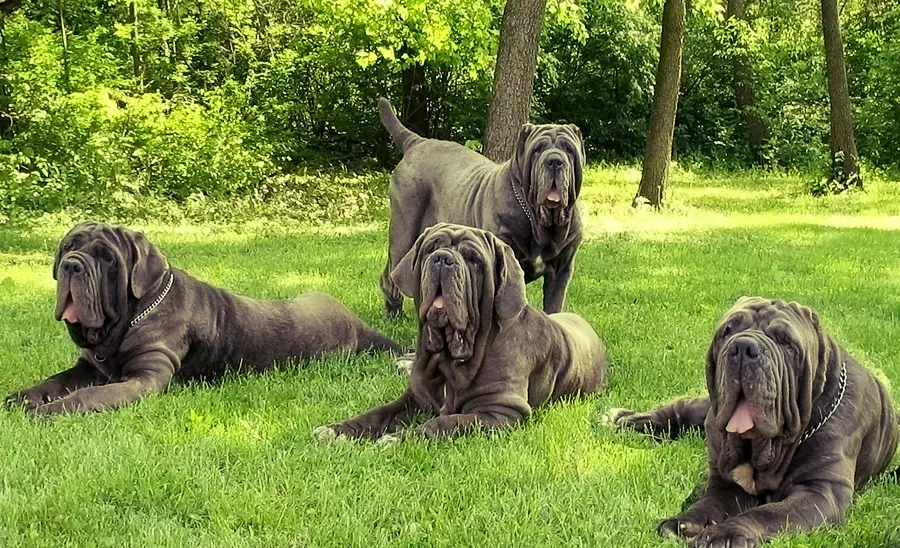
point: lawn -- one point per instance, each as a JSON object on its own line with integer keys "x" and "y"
{"x": 234, "y": 463}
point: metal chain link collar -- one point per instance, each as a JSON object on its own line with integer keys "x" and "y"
{"x": 837, "y": 403}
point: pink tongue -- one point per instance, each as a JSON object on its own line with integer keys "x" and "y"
{"x": 69, "y": 314}
{"x": 741, "y": 420}
{"x": 438, "y": 302}
{"x": 554, "y": 195}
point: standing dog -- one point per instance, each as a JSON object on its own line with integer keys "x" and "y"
{"x": 141, "y": 323}
{"x": 528, "y": 201}
{"x": 794, "y": 425}
{"x": 485, "y": 358}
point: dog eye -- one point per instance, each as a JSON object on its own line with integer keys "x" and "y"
{"x": 104, "y": 255}
{"x": 726, "y": 330}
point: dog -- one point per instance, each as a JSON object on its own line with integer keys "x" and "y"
{"x": 484, "y": 357}
{"x": 794, "y": 426}
{"x": 528, "y": 201}
{"x": 141, "y": 323}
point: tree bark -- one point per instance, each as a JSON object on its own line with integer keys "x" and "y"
{"x": 744, "y": 95}
{"x": 65, "y": 45}
{"x": 520, "y": 34}
{"x": 658, "y": 151}
{"x": 135, "y": 50}
{"x": 843, "y": 142}
{"x": 415, "y": 111}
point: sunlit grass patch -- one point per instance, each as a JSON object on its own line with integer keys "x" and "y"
{"x": 233, "y": 463}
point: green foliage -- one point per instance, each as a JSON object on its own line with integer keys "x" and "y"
{"x": 102, "y": 109}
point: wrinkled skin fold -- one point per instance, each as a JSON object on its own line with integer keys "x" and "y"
{"x": 484, "y": 358}
{"x": 773, "y": 375}
{"x": 107, "y": 275}
{"x": 441, "y": 181}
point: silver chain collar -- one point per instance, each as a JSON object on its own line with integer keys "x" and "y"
{"x": 155, "y": 303}
{"x": 521, "y": 201}
{"x": 837, "y": 403}
{"x": 101, "y": 358}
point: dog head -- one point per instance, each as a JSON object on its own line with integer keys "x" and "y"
{"x": 465, "y": 282}
{"x": 101, "y": 272}
{"x": 549, "y": 159}
{"x": 766, "y": 368}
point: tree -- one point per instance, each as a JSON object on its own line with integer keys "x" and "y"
{"x": 658, "y": 151}
{"x": 741, "y": 81}
{"x": 845, "y": 167}
{"x": 520, "y": 33}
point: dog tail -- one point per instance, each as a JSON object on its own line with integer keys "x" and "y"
{"x": 402, "y": 135}
{"x": 374, "y": 341}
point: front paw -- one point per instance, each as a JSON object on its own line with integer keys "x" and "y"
{"x": 327, "y": 434}
{"x": 31, "y": 399}
{"x": 624, "y": 419}
{"x": 730, "y": 534}
{"x": 682, "y": 527}
{"x": 404, "y": 363}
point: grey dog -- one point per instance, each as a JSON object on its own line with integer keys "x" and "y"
{"x": 141, "y": 323}
{"x": 528, "y": 201}
{"x": 794, "y": 426}
{"x": 485, "y": 357}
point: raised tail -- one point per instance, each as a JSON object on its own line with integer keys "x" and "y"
{"x": 402, "y": 135}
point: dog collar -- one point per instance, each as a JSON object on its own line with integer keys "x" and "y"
{"x": 155, "y": 303}
{"x": 101, "y": 356}
{"x": 521, "y": 201}
{"x": 836, "y": 403}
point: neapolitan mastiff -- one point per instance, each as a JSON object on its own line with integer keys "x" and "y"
{"x": 794, "y": 426}
{"x": 527, "y": 201}
{"x": 484, "y": 357}
{"x": 141, "y": 323}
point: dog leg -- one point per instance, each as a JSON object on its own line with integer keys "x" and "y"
{"x": 374, "y": 423}
{"x": 82, "y": 375}
{"x": 557, "y": 276}
{"x": 149, "y": 374}
{"x": 666, "y": 421}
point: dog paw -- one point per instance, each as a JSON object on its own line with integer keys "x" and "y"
{"x": 726, "y": 535}
{"x": 327, "y": 434}
{"x": 679, "y": 528}
{"x": 404, "y": 363}
{"x": 616, "y": 417}
{"x": 388, "y": 440}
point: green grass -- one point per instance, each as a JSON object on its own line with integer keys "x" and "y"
{"x": 233, "y": 464}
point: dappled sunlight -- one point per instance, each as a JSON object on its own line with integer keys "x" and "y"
{"x": 304, "y": 281}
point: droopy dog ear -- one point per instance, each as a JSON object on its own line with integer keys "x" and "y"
{"x": 407, "y": 275}
{"x": 509, "y": 295}
{"x": 149, "y": 264}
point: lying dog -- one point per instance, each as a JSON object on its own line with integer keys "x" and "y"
{"x": 485, "y": 358}
{"x": 528, "y": 202}
{"x": 141, "y": 323}
{"x": 794, "y": 425}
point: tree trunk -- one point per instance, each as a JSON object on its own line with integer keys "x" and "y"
{"x": 520, "y": 34}
{"x": 65, "y": 44}
{"x": 135, "y": 50}
{"x": 741, "y": 82}
{"x": 845, "y": 171}
{"x": 6, "y": 120}
{"x": 658, "y": 151}
{"x": 414, "y": 108}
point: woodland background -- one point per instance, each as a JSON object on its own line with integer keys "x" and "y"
{"x": 114, "y": 106}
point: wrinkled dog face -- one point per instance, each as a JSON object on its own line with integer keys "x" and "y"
{"x": 760, "y": 364}
{"x": 550, "y": 159}
{"x": 461, "y": 278}
{"x": 451, "y": 288}
{"x": 100, "y": 270}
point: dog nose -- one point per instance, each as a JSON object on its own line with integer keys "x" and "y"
{"x": 442, "y": 256}
{"x": 554, "y": 162}
{"x": 745, "y": 347}
{"x": 72, "y": 267}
